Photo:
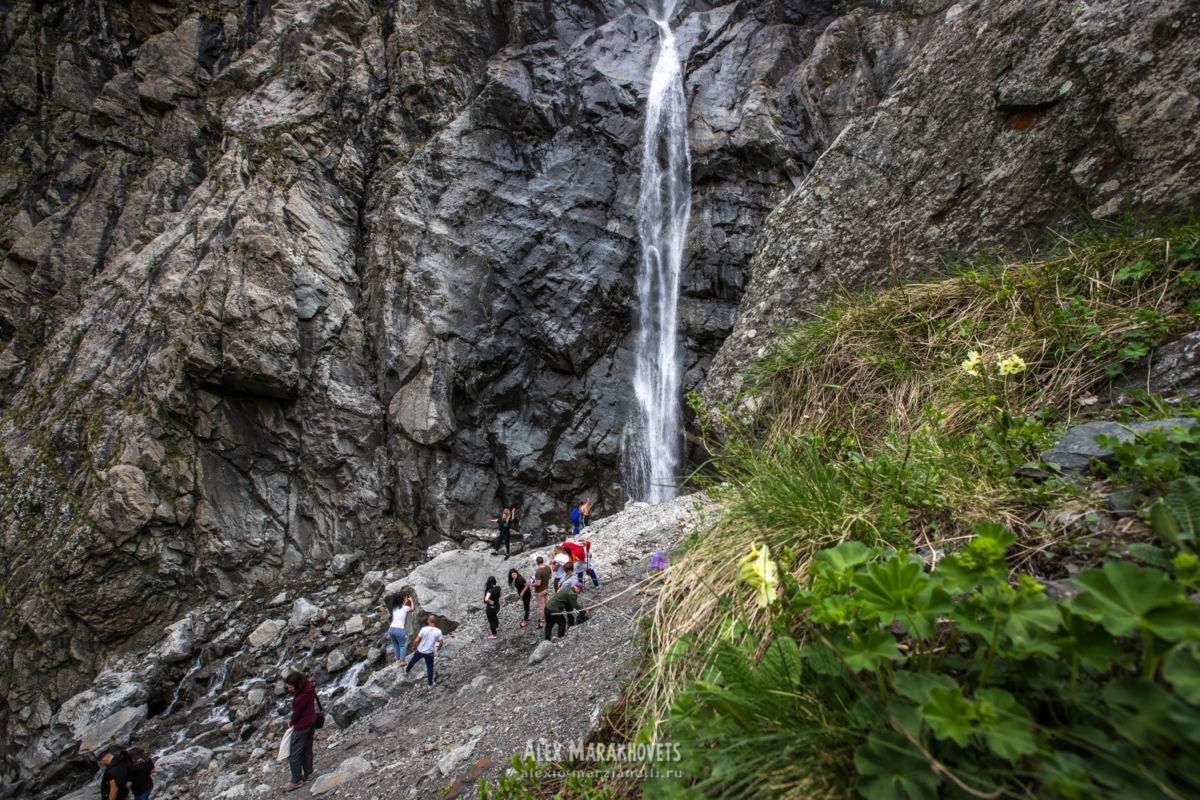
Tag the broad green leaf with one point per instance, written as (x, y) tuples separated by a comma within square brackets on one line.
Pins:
[(836, 610), (1124, 597), (844, 556), (900, 590), (821, 659), (916, 685), (1183, 671), (1187, 718), (1091, 643), (1006, 726), (890, 768), (1140, 710), (950, 714), (866, 714), (1028, 615), (1067, 775), (869, 653)]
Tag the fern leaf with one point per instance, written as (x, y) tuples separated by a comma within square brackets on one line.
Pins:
[(734, 669), (1149, 554), (1183, 498), (780, 667)]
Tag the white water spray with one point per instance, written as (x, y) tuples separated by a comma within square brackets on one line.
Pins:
[(654, 449)]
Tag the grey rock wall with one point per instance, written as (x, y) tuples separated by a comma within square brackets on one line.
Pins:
[(284, 279), (1005, 117)]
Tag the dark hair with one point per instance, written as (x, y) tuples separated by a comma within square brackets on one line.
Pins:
[(296, 680), (137, 755), (513, 571), (541, 560), (398, 600), (491, 581)]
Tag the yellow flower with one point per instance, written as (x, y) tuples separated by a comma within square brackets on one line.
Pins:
[(971, 365), (1013, 365), (760, 572)]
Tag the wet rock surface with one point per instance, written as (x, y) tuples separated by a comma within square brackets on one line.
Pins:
[(217, 719)]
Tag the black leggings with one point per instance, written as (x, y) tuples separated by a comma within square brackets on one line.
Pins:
[(563, 619), (502, 539), (493, 615), (416, 656), (525, 602)]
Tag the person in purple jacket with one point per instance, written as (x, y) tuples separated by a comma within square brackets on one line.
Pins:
[(303, 725)]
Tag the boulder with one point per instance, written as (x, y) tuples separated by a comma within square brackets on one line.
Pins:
[(1078, 445), (1172, 370), (541, 652), (356, 624), (344, 772), (373, 581), (110, 692), (380, 688), (115, 729), (277, 600), (448, 762), (336, 661), (452, 583), (341, 564), (267, 634), (304, 614), (178, 644)]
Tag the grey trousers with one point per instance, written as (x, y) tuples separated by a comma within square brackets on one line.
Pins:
[(300, 756)]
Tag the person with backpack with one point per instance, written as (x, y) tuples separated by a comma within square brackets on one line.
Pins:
[(141, 770), (517, 581), (560, 607), (542, 577), (401, 604), (491, 604), (304, 724), (115, 780), (587, 563), (578, 558), (429, 641)]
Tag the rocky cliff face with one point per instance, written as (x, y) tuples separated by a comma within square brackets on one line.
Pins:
[(1006, 117), (286, 278)]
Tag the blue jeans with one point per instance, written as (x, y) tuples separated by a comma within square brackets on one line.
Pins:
[(145, 796), (399, 642), (419, 656)]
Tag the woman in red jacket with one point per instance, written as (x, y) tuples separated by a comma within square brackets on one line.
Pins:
[(302, 723)]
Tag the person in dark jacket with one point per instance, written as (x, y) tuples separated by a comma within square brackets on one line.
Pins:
[(524, 591), (302, 723), (114, 782), (141, 770), (563, 609), (491, 604)]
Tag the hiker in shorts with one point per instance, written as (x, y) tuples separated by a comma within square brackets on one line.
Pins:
[(542, 577), (429, 641), (559, 610)]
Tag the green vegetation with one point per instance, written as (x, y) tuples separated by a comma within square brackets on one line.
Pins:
[(884, 513)]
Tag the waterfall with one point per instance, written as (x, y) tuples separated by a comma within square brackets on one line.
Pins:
[(654, 447)]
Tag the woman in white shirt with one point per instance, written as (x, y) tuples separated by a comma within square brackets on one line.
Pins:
[(401, 604)]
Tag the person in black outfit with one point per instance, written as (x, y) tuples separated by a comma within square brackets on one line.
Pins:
[(141, 767), (491, 603), (524, 591), (505, 522), (115, 763)]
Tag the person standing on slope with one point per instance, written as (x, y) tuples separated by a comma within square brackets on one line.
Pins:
[(303, 724), (491, 604), (587, 562), (524, 591), (578, 558), (115, 779), (576, 516), (585, 511), (542, 577), (429, 641), (141, 770), (505, 531)]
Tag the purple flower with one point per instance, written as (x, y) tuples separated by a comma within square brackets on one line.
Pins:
[(658, 560)]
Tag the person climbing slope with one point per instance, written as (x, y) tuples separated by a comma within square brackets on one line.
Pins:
[(303, 724), (524, 591), (401, 604), (429, 641), (576, 516), (578, 558), (491, 604), (504, 525), (587, 562), (559, 610)]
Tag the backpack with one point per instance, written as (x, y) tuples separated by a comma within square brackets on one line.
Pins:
[(575, 514)]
